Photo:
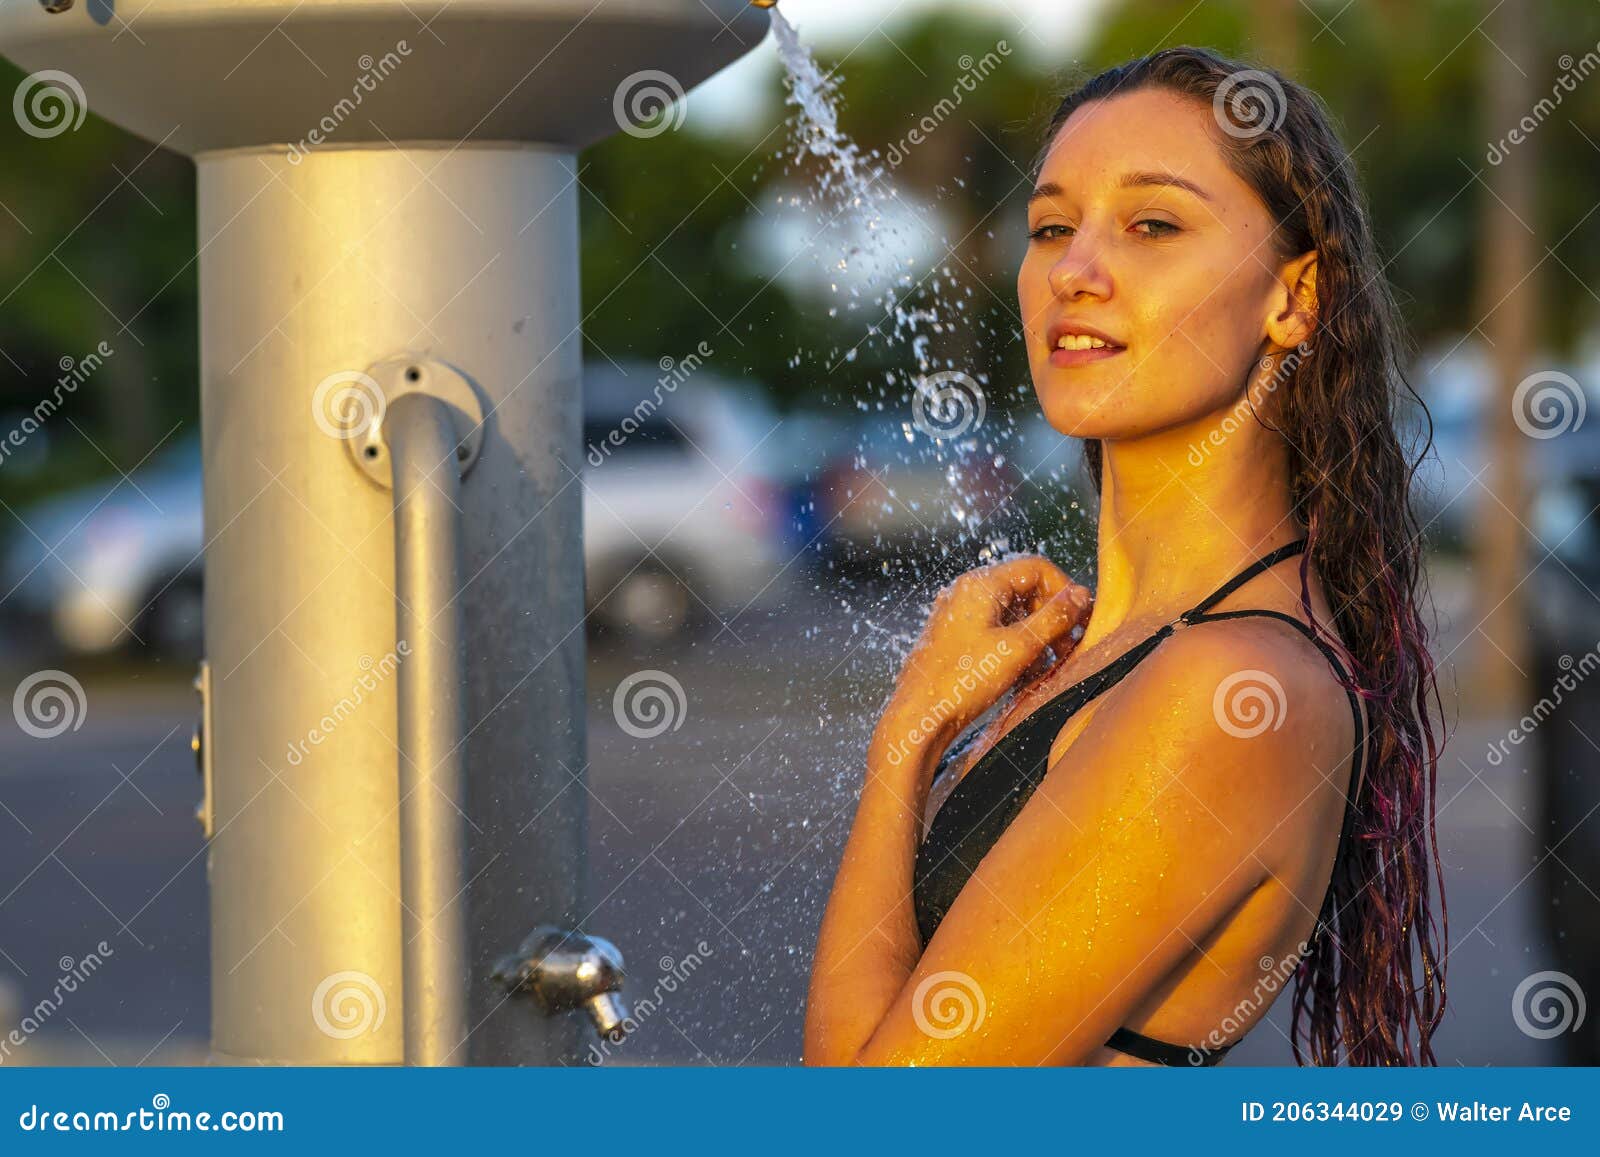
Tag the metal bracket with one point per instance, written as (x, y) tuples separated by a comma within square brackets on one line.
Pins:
[(403, 374)]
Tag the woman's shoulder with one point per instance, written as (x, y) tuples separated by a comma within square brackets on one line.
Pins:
[(1262, 674), (1248, 702)]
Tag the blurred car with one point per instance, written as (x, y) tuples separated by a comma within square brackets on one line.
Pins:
[(683, 527), (684, 505), (88, 566), (881, 486), (1456, 383)]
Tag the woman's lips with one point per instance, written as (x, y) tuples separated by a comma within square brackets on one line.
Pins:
[(1067, 359)]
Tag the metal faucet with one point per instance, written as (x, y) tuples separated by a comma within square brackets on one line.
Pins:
[(567, 970)]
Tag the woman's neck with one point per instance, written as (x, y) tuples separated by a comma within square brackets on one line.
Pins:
[(1172, 531)]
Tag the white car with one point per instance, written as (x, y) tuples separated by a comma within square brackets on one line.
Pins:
[(683, 528), (684, 506), (92, 569)]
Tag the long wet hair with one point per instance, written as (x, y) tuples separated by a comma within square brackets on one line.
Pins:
[(1355, 990)]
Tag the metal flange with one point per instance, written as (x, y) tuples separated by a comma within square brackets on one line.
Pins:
[(403, 374)]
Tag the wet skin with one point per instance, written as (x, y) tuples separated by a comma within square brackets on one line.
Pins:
[(1164, 856)]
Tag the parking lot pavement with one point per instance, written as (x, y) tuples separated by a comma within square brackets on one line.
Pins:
[(713, 846)]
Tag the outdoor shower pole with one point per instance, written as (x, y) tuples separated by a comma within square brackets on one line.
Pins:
[(311, 272), (386, 183)]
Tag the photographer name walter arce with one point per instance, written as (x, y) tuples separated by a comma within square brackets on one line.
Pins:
[(1479, 1111)]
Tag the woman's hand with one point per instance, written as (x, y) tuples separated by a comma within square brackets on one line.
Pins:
[(984, 631)]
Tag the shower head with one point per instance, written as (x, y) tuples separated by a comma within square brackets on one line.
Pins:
[(210, 75)]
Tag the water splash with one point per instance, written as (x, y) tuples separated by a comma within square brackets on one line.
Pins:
[(814, 93), (927, 489), (852, 191), (910, 482)]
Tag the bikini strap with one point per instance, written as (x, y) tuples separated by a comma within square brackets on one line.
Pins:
[(1148, 1048), (1270, 559)]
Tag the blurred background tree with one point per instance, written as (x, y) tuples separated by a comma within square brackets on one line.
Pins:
[(97, 228), (97, 236)]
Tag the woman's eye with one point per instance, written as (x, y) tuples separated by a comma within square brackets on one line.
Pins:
[(1148, 227)]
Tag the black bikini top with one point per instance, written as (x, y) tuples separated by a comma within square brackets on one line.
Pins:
[(984, 801)]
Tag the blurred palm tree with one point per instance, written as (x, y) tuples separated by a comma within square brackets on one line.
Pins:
[(1508, 296), (97, 236)]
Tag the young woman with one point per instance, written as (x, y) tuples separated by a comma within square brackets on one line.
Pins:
[(1228, 780)]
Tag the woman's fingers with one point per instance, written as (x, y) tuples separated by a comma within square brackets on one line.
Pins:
[(1055, 616), (1029, 578), (1031, 572)]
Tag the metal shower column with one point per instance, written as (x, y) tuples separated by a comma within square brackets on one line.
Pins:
[(382, 180)]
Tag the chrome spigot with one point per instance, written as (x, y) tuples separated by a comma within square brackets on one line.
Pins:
[(567, 970)]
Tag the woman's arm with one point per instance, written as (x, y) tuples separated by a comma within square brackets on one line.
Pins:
[(1151, 831), (984, 631), (869, 941)]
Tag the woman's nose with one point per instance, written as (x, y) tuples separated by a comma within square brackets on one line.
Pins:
[(1081, 269)]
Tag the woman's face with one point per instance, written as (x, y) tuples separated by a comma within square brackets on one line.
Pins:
[(1141, 234)]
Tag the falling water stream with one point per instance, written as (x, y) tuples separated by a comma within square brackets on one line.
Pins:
[(925, 416), (853, 194), (930, 444)]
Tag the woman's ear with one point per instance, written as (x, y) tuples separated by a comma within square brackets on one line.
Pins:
[(1294, 314)]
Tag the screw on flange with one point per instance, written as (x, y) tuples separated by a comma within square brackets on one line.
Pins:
[(55, 5)]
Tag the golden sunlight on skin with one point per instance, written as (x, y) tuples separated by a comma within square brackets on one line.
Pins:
[(1189, 280), (1184, 281), (1114, 898)]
